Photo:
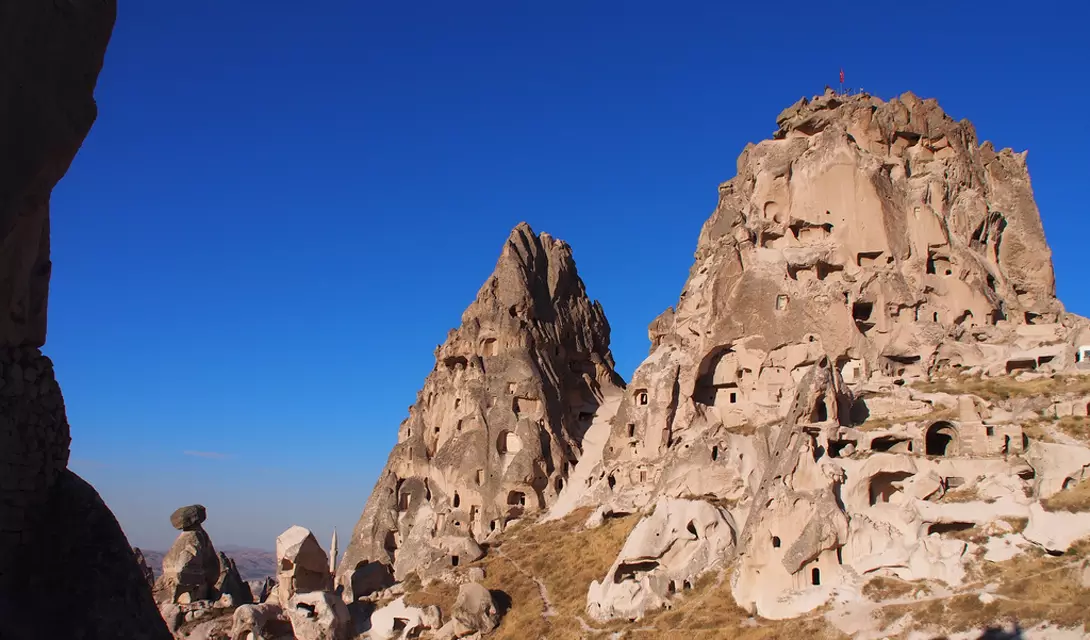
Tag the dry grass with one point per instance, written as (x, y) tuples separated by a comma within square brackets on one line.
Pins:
[(875, 424), (1032, 588), (708, 611), (1018, 525), (967, 494), (1074, 499), (1039, 429), (881, 588), (439, 593), (1075, 427), (566, 558), (1005, 387)]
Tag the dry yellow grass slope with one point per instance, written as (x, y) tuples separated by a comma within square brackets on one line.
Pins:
[(1003, 388), (558, 560)]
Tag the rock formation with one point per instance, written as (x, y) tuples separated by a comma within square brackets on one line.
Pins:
[(230, 583), (56, 534), (868, 246), (499, 423), (191, 568), (319, 615), (145, 570), (474, 612), (664, 555), (302, 565)]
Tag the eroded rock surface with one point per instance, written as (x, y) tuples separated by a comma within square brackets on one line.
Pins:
[(664, 555), (870, 246), (302, 564), (498, 426)]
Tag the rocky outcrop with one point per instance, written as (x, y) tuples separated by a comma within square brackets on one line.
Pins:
[(56, 535), (230, 583), (191, 568), (867, 246), (475, 611), (499, 422), (319, 615), (145, 570), (302, 565), (664, 555)]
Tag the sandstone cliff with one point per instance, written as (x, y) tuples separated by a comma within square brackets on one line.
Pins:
[(499, 422), (66, 570)]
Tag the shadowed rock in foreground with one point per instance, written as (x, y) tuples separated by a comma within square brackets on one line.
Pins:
[(66, 570)]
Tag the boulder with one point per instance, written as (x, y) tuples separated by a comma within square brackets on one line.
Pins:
[(665, 554), (264, 621), (319, 615), (474, 610), (188, 518), (302, 565), (399, 620)]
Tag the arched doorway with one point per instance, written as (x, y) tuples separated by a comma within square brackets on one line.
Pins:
[(941, 439)]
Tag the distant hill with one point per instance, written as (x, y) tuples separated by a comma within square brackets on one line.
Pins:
[(253, 564)]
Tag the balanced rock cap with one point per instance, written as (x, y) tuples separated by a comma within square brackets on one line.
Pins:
[(188, 518)]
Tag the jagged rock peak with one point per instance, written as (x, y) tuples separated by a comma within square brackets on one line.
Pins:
[(499, 422)]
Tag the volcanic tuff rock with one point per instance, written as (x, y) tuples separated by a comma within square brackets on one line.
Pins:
[(56, 535), (497, 427), (868, 246)]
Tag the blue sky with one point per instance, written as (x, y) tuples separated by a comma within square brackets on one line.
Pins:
[(283, 208)]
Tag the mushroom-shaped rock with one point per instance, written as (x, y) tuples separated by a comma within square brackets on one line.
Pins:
[(191, 569), (664, 554), (302, 565), (474, 610), (188, 518), (319, 615)]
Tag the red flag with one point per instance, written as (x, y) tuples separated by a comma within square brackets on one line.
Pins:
[(842, 76)]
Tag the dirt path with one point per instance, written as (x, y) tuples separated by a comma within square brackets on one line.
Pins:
[(548, 611)]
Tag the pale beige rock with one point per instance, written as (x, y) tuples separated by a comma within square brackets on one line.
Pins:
[(302, 564), (398, 620), (663, 556), (191, 569), (474, 611), (496, 430), (261, 621), (319, 615)]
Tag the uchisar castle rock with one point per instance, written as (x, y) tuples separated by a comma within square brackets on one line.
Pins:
[(866, 384), (866, 416)]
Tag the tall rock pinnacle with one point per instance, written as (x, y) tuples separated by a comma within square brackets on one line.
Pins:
[(499, 422)]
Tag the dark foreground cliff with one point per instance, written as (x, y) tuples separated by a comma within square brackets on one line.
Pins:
[(66, 569)]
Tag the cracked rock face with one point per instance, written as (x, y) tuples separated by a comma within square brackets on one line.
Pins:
[(498, 424)]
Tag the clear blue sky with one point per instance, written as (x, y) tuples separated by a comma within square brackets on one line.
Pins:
[(283, 207)]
